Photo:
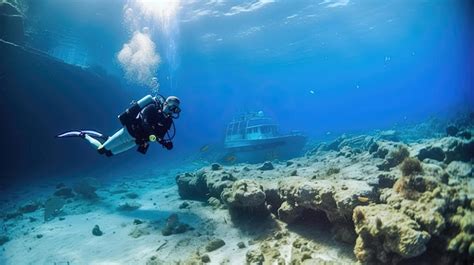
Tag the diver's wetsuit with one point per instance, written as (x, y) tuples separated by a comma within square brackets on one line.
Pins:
[(149, 121), (142, 122)]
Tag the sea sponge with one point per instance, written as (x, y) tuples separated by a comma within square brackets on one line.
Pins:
[(411, 166)]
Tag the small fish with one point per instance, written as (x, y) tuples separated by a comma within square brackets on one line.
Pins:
[(362, 199), (230, 158), (204, 148), (311, 91), (328, 133)]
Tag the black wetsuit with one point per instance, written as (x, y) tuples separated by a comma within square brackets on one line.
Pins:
[(141, 123)]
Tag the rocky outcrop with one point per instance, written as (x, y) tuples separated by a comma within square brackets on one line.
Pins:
[(386, 236), (52, 207), (244, 194), (392, 200), (460, 169), (204, 184), (336, 199), (391, 153), (87, 188)]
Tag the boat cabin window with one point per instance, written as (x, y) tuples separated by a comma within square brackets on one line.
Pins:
[(260, 132)]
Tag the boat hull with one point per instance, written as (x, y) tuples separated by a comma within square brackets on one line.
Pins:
[(259, 150)]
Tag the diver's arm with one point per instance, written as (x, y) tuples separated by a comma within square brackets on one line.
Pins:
[(166, 144)]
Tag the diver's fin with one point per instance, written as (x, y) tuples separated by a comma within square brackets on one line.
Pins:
[(81, 133), (69, 134), (95, 134)]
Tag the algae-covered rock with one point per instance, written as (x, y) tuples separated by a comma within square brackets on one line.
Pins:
[(174, 226), (411, 166), (392, 153), (52, 207), (214, 244), (462, 242), (324, 195), (96, 231), (204, 184), (431, 152), (457, 149), (129, 206), (216, 166), (460, 169), (244, 193), (192, 185), (385, 235), (87, 188), (29, 207), (267, 166), (254, 257), (64, 193)]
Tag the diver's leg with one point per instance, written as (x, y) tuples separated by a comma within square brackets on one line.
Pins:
[(124, 147), (119, 138), (92, 141)]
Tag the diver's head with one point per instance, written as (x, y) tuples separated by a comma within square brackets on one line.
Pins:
[(171, 107)]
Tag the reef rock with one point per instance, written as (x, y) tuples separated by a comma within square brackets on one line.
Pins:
[(336, 199), (266, 166), (52, 207), (192, 185), (430, 152), (96, 231), (452, 130), (204, 184), (29, 207), (214, 244), (64, 193), (386, 236), (460, 169), (456, 149), (87, 188), (389, 135), (245, 195), (391, 153), (174, 226)]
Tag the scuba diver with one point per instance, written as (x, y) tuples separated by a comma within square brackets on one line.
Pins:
[(148, 120)]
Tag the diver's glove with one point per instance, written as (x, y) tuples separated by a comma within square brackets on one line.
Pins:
[(143, 148), (167, 144)]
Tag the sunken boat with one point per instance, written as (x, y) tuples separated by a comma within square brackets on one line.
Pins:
[(254, 137)]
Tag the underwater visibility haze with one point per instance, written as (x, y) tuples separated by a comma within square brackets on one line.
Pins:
[(237, 132)]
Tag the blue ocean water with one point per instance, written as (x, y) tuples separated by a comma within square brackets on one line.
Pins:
[(323, 67)]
